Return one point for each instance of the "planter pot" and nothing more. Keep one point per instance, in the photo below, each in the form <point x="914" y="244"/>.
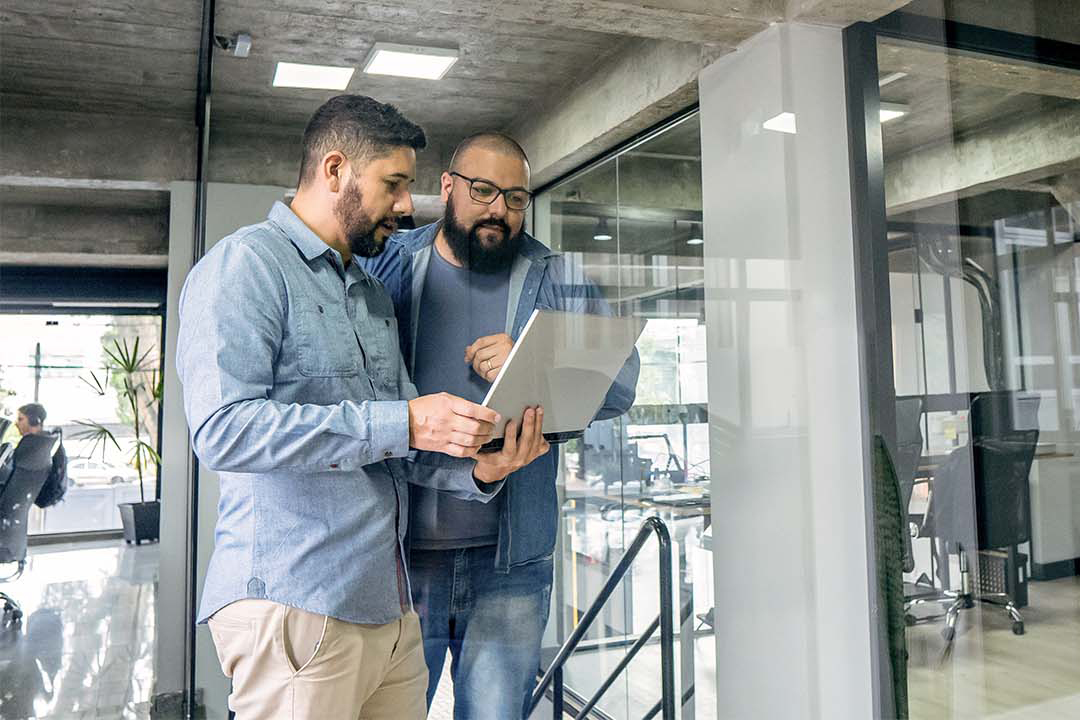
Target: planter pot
<point x="141" y="521"/>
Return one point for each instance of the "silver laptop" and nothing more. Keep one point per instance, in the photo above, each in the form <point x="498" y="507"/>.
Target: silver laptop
<point x="566" y="363"/>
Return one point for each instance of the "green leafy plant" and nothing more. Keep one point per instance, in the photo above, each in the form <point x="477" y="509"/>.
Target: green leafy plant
<point x="138" y="386"/>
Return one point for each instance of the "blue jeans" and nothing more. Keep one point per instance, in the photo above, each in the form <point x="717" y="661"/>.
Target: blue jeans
<point x="491" y="622"/>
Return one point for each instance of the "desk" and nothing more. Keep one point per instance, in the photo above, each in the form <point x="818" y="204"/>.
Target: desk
<point x="1055" y="514"/>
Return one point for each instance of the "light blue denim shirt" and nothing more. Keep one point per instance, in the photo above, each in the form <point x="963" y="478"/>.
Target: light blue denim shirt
<point x="296" y="394"/>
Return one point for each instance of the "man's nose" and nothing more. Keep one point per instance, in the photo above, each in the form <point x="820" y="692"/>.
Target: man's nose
<point x="404" y="205"/>
<point x="498" y="207"/>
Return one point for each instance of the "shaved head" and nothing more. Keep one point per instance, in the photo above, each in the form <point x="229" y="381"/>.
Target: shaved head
<point x="493" y="141"/>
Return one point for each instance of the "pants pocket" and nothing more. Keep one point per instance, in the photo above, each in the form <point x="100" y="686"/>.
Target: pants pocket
<point x="302" y="636"/>
<point x="233" y="641"/>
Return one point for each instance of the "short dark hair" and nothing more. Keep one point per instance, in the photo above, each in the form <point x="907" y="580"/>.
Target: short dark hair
<point x="34" y="412"/>
<point x="492" y="140"/>
<point x="360" y="127"/>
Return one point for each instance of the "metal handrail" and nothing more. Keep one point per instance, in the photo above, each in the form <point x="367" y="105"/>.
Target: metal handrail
<point x="554" y="674"/>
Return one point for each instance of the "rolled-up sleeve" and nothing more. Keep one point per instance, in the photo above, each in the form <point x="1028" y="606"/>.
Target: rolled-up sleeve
<point x="232" y="321"/>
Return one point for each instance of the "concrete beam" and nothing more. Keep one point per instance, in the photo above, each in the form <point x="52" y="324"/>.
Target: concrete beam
<point x="1032" y="148"/>
<point x="646" y="82"/>
<point x="645" y="181"/>
<point x="83" y="236"/>
<point x="1066" y="190"/>
<point x="95" y="152"/>
<point x="840" y="13"/>
<point x="73" y="145"/>
<point x="982" y="70"/>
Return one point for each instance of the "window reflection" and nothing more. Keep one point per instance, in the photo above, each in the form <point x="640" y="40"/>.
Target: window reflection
<point x="633" y="224"/>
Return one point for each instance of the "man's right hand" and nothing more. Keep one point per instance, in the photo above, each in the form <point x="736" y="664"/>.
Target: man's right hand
<point x="448" y="424"/>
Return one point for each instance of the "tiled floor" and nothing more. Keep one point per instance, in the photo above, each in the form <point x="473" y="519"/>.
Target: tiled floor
<point x="85" y="648"/>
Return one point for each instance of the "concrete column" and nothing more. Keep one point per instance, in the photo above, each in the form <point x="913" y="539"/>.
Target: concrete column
<point x="228" y="208"/>
<point x="789" y="532"/>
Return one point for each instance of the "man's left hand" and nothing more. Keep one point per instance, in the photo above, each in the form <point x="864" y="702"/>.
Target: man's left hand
<point x="522" y="444"/>
<point x="488" y="354"/>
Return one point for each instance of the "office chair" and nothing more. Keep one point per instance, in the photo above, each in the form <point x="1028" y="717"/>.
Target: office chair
<point x="21" y="479"/>
<point x="909" y="445"/>
<point x="981" y="501"/>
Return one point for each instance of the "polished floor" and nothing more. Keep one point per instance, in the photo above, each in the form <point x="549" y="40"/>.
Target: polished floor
<point x="85" y="648"/>
<point x="995" y="675"/>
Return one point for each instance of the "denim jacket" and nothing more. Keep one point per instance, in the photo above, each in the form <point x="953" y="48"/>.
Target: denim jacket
<point x="296" y="393"/>
<point x="539" y="278"/>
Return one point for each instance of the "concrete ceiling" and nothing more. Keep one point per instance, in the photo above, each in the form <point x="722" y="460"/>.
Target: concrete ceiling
<point x="112" y="57"/>
<point x="105" y="90"/>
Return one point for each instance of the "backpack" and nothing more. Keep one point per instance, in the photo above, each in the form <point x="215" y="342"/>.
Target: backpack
<point x="56" y="484"/>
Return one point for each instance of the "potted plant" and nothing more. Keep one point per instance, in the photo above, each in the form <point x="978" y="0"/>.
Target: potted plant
<point x="139" y="388"/>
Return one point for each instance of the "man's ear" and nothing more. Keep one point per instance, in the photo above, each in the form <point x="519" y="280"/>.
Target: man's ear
<point x="332" y="169"/>
<point x="446" y="183"/>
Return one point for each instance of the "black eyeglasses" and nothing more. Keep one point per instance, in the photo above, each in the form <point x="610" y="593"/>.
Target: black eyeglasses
<point x="485" y="192"/>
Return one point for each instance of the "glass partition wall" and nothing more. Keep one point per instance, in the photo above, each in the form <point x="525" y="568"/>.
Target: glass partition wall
<point x="981" y="192"/>
<point x="632" y="225"/>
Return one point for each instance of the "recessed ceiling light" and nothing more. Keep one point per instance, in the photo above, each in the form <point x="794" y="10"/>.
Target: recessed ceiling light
<point x="784" y="122"/>
<point x="601" y="233"/>
<point x="695" y="235"/>
<point x="410" y="61"/>
<point x="314" y="77"/>
<point x="891" y="111"/>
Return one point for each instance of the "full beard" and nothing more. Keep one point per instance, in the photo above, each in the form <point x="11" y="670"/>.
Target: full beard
<point x="359" y="226"/>
<point x="471" y="251"/>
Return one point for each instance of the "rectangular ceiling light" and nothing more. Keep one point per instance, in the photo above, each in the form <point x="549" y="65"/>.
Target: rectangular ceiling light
<point x="784" y="122"/>
<point x="410" y="61"/>
<point x="891" y="111"/>
<point x="314" y="77"/>
<point x="105" y="304"/>
<point x="891" y="78"/>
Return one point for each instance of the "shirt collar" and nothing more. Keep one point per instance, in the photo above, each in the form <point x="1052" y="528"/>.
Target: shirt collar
<point x="304" y="238"/>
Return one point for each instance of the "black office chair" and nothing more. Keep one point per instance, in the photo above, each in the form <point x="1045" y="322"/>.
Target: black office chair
<point x="909" y="445"/>
<point x="981" y="502"/>
<point x="21" y="479"/>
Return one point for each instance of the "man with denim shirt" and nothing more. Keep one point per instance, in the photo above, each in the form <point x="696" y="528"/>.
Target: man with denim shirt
<point x="463" y="289"/>
<point x="296" y="393"/>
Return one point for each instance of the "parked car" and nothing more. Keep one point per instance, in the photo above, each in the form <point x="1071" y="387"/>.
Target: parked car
<point x="90" y="471"/>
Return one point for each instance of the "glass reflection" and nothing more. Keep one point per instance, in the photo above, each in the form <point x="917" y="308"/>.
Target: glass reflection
<point x="633" y="223"/>
<point x="983" y="287"/>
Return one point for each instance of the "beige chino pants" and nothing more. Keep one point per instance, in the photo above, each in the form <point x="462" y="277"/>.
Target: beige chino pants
<point x="290" y="664"/>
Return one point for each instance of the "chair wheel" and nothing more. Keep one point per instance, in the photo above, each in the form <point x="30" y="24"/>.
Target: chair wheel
<point x="969" y="602"/>
<point x="948" y="633"/>
<point x="909" y="620"/>
<point x="16" y="615"/>
<point x="1018" y="627"/>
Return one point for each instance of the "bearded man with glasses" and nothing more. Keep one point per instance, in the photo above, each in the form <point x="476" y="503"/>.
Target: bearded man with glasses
<point x="463" y="289"/>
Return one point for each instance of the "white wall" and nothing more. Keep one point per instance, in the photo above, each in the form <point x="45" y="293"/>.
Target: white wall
<point x="789" y="521"/>
<point x="228" y="208"/>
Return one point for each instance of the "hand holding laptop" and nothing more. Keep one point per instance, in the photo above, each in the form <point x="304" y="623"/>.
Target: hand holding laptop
<point x="524" y="442"/>
<point x="488" y="354"/>
<point x="564" y="362"/>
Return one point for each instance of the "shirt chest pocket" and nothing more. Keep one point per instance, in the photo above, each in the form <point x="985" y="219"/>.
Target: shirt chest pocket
<point x="380" y="336"/>
<point x="327" y="343"/>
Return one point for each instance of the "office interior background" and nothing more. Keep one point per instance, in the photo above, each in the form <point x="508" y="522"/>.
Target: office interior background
<point x="851" y="227"/>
